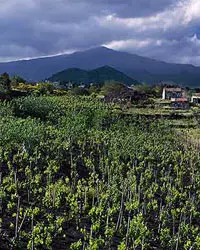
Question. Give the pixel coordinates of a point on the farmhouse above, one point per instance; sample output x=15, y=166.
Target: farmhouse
x=169, y=93
x=195, y=98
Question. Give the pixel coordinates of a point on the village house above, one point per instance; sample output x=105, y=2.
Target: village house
x=179, y=103
x=55, y=84
x=177, y=96
x=82, y=86
x=195, y=98
x=169, y=93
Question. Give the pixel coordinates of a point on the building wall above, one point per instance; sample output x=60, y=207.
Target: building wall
x=173, y=93
x=179, y=105
x=195, y=99
x=170, y=95
x=163, y=94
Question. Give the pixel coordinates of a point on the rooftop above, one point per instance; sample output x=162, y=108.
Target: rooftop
x=179, y=99
x=197, y=95
x=173, y=89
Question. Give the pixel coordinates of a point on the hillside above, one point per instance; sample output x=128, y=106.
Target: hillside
x=98, y=75
x=140, y=68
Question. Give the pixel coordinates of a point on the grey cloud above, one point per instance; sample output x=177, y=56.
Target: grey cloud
x=130, y=8
x=31, y=28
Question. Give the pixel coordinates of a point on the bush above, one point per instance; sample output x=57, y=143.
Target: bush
x=110, y=86
x=45, y=88
x=79, y=91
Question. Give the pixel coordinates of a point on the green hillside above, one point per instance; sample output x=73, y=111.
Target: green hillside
x=98, y=75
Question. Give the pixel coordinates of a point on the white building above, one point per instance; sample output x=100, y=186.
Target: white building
x=195, y=98
x=169, y=93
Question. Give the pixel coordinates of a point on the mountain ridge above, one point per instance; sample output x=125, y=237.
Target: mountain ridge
x=143, y=69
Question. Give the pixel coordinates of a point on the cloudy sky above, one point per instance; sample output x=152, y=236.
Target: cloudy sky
x=168, y=30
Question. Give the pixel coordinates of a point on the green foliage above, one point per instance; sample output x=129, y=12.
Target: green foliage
x=73, y=175
x=5, y=81
x=45, y=88
x=110, y=86
x=6, y=109
x=16, y=80
x=97, y=76
x=76, y=246
x=79, y=91
x=154, y=91
x=94, y=89
x=122, y=246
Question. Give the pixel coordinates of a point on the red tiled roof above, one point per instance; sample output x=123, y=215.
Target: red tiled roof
x=179, y=99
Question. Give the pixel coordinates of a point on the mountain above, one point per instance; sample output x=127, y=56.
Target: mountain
x=140, y=68
x=98, y=75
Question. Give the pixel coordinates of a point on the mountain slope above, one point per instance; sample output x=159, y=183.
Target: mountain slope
x=70, y=75
x=140, y=68
x=98, y=75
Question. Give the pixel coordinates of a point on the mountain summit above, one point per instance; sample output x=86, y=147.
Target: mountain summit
x=140, y=68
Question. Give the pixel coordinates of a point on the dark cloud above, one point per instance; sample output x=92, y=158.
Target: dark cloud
x=163, y=29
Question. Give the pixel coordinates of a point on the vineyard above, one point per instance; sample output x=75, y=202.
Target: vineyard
x=74, y=175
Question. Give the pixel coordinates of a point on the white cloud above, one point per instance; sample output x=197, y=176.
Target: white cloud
x=176, y=16
x=192, y=10
x=125, y=44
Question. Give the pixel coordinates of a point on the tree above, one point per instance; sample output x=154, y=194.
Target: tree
x=16, y=80
x=79, y=91
x=5, y=81
x=154, y=91
x=94, y=89
x=110, y=86
x=45, y=87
